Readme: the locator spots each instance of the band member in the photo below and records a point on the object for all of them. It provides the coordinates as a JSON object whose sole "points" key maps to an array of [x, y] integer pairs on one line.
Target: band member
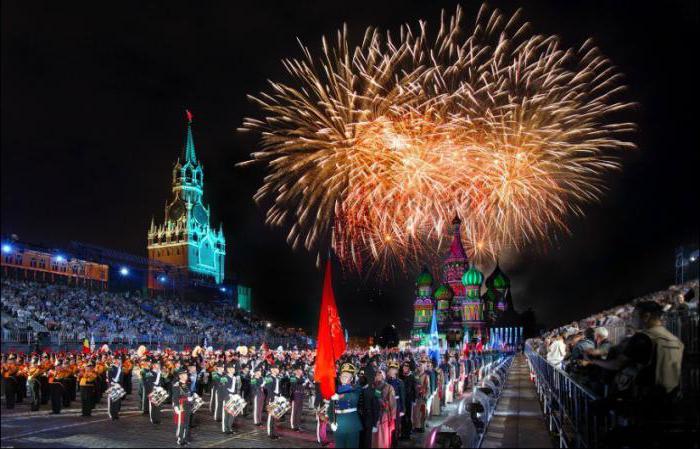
{"points": [[21, 389], [127, 367], [67, 379], [231, 387], [368, 410], [321, 408], [101, 380], [115, 377], [155, 379], [87, 379], [9, 379], [245, 387], [73, 389], [409, 382], [145, 374], [297, 386], [420, 411], [43, 379], [219, 391], [273, 388], [342, 412], [399, 395], [257, 390], [34, 373], [387, 411], [56, 388], [182, 407], [195, 379]]}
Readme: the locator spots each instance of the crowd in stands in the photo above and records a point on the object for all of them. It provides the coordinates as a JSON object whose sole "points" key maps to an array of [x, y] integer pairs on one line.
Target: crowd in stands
{"points": [[603, 351], [129, 317]]}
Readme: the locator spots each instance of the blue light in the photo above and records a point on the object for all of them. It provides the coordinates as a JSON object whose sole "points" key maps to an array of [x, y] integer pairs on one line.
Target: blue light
{"points": [[124, 271], [223, 289], [162, 279], [6, 248], [60, 258]]}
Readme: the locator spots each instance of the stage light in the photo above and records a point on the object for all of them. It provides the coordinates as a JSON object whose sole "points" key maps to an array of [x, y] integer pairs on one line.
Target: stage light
{"points": [[162, 279], [223, 289], [269, 324], [124, 271], [60, 258], [693, 258], [6, 248]]}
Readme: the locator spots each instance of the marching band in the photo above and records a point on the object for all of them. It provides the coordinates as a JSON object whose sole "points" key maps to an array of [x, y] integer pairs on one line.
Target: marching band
{"points": [[381, 397]]}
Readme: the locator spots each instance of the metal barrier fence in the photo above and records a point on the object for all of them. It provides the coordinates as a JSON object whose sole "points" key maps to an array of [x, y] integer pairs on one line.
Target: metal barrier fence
{"points": [[569, 408], [62, 339]]}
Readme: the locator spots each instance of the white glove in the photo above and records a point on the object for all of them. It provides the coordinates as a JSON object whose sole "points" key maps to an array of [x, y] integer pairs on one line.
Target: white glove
{"points": [[335, 397], [190, 399], [401, 414], [334, 427], [374, 430], [176, 409]]}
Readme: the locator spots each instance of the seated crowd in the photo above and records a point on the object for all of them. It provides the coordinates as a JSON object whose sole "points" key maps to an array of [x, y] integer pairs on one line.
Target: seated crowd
{"points": [[128, 317]]}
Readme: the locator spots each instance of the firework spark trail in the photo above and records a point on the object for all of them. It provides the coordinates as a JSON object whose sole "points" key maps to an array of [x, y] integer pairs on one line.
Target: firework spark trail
{"points": [[376, 147]]}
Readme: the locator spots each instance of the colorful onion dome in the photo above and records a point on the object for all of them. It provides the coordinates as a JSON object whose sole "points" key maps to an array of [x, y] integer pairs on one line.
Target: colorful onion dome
{"points": [[498, 279], [444, 293], [425, 279], [472, 277]]}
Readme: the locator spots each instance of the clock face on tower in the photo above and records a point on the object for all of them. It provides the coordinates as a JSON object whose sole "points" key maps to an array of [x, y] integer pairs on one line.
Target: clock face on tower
{"points": [[177, 210]]}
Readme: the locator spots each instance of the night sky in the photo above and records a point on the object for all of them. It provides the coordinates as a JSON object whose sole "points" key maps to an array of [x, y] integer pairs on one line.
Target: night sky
{"points": [[93, 99]]}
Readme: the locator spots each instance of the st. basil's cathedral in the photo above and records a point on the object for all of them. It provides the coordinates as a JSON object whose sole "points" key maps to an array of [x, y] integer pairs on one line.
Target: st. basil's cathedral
{"points": [[467, 306]]}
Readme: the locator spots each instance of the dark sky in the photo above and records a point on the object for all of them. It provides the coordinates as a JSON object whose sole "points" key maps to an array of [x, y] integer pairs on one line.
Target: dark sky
{"points": [[92, 103]]}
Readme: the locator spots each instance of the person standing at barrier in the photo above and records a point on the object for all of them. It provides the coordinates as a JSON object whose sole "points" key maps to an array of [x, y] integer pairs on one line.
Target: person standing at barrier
{"points": [[556, 351], [409, 382]]}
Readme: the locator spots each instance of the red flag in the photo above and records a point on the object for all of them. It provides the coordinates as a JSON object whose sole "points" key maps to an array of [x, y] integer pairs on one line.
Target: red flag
{"points": [[330, 344], [86, 346]]}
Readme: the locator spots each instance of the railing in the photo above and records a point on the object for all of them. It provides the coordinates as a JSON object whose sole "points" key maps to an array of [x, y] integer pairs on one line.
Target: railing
{"points": [[64, 339], [569, 408]]}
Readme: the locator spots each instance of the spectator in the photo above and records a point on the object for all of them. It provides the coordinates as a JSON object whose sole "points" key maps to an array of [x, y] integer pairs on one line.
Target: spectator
{"points": [[556, 351]]}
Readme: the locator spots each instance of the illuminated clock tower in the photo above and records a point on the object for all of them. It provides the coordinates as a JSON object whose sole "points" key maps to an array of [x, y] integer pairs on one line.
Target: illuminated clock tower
{"points": [[186, 240]]}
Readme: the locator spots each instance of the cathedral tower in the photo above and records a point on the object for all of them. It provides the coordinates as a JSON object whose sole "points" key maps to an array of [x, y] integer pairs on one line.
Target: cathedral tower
{"points": [[185, 239]]}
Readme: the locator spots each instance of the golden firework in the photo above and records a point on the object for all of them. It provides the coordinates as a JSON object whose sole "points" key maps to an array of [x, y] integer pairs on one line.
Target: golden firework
{"points": [[373, 149]]}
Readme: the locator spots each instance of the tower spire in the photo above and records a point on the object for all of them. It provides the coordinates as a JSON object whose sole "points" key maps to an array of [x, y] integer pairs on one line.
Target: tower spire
{"points": [[188, 150]]}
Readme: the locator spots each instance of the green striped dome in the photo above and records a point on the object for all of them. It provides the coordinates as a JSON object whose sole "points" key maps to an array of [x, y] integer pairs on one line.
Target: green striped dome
{"points": [[425, 279], [498, 279], [444, 293], [472, 277]]}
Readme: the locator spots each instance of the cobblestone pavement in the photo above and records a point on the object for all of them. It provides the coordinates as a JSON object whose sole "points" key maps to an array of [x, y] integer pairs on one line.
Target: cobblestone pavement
{"points": [[22, 428]]}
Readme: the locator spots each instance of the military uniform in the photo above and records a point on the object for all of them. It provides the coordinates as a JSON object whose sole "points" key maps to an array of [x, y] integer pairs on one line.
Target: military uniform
{"points": [[114, 376], [87, 381], [182, 408], [231, 385], [297, 386], [9, 379], [342, 412], [399, 396], [257, 391]]}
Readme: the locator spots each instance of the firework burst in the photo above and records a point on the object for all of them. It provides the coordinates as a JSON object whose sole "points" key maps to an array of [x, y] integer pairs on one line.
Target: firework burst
{"points": [[373, 149]]}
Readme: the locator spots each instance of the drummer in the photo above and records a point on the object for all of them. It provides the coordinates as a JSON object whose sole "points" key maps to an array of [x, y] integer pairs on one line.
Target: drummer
{"points": [[115, 379]]}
